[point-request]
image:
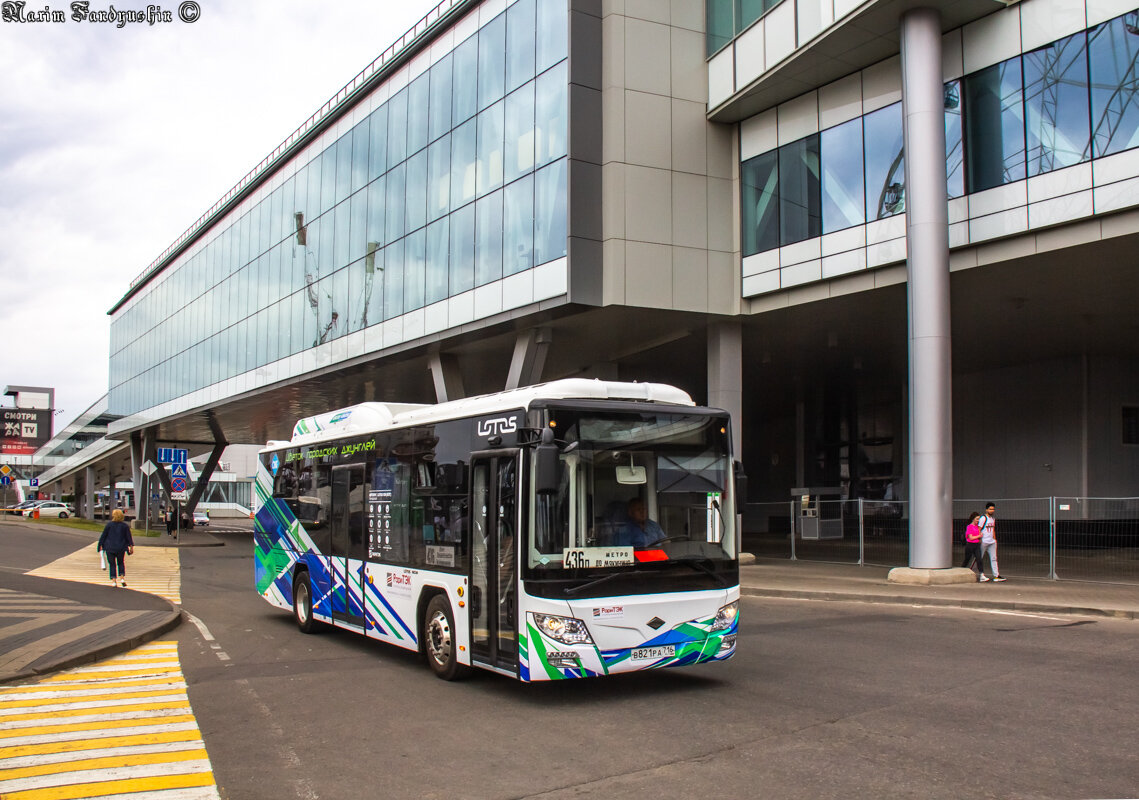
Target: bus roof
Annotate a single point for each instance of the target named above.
(367, 417)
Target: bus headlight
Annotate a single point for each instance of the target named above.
(567, 630)
(726, 617)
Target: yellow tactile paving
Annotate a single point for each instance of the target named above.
(151, 569)
(82, 734)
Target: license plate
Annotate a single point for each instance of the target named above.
(653, 653)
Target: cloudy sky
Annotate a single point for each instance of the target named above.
(113, 141)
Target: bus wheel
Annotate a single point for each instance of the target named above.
(302, 604)
(439, 640)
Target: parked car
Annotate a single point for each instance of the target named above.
(201, 518)
(28, 508)
(54, 508)
(19, 507)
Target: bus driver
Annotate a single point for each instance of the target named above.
(639, 530)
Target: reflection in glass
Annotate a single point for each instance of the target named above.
(519, 133)
(800, 206)
(550, 213)
(439, 178)
(417, 111)
(994, 126)
(328, 177)
(463, 164)
(378, 151)
(372, 302)
(844, 195)
(340, 311)
(416, 191)
(553, 34)
(954, 148)
(518, 235)
(464, 92)
(415, 270)
(462, 260)
(393, 280)
(550, 114)
(488, 238)
(760, 211)
(885, 165)
(1113, 55)
(358, 240)
(440, 97)
(492, 61)
(438, 244)
(395, 203)
(1058, 130)
(343, 168)
(490, 139)
(397, 128)
(342, 224)
(520, 42)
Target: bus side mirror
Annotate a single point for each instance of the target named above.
(741, 484)
(547, 474)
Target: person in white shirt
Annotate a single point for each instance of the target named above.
(988, 526)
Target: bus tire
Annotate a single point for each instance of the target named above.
(302, 604)
(439, 640)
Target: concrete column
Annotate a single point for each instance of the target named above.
(927, 266)
(529, 357)
(89, 493)
(447, 377)
(725, 376)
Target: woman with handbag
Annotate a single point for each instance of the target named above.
(116, 542)
(973, 547)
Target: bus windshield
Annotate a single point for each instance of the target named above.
(636, 489)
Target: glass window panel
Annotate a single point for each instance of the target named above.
(416, 191)
(994, 126)
(954, 147)
(341, 307)
(519, 133)
(361, 144)
(800, 197)
(748, 11)
(843, 193)
(462, 260)
(328, 318)
(492, 61)
(373, 300)
(550, 213)
(393, 280)
(488, 238)
(310, 317)
(312, 202)
(520, 43)
(328, 177)
(343, 167)
(1056, 102)
(1113, 51)
(885, 167)
(439, 178)
(518, 233)
(377, 202)
(415, 258)
(551, 114)
(261, 338)
(464, 83)
(276, 201)
(718, 23)
(326, 238)
(378, 151)
(553, 34)
(490, 139)
(417, 112)
(395, 203)
(397, 128)
(463, 160)
(359, 228)
(342, 243)
(441, 97)
(438, 244)
(357, 308)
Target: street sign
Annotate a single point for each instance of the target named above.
(177, 485)
(5, 480)
(34, 482)
(147, 468)
(178, 471)
(171, 455)
(4, 470)
(180, 496)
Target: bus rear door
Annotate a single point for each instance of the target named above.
(348, 543)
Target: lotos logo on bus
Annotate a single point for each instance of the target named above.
(498, 426)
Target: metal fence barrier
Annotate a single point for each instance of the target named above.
(1062, 538)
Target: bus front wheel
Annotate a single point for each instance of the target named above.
(302, 604)
(439, 639)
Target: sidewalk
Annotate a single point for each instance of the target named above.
(824, 581)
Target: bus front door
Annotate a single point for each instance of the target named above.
(348, 543)
(494, 580)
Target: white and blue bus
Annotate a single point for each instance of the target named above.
(570, 529)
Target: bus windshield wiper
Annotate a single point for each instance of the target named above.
(603, 579)
(700, 566)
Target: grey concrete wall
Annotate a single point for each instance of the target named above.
(668, 175)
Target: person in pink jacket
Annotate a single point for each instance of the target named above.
(973, 547)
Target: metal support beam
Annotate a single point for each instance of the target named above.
(89, 493)
(447, 377)
(529, 358)
(220, 444)
(927, 269)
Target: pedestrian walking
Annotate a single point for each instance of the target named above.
(973, 547)
(988, 526)
(116, 541)
(170, 520)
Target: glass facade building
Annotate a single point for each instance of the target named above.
(453, 181)
(1067, 103)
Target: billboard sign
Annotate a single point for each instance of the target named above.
(23, 431)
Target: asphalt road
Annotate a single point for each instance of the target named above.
(823, 700)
